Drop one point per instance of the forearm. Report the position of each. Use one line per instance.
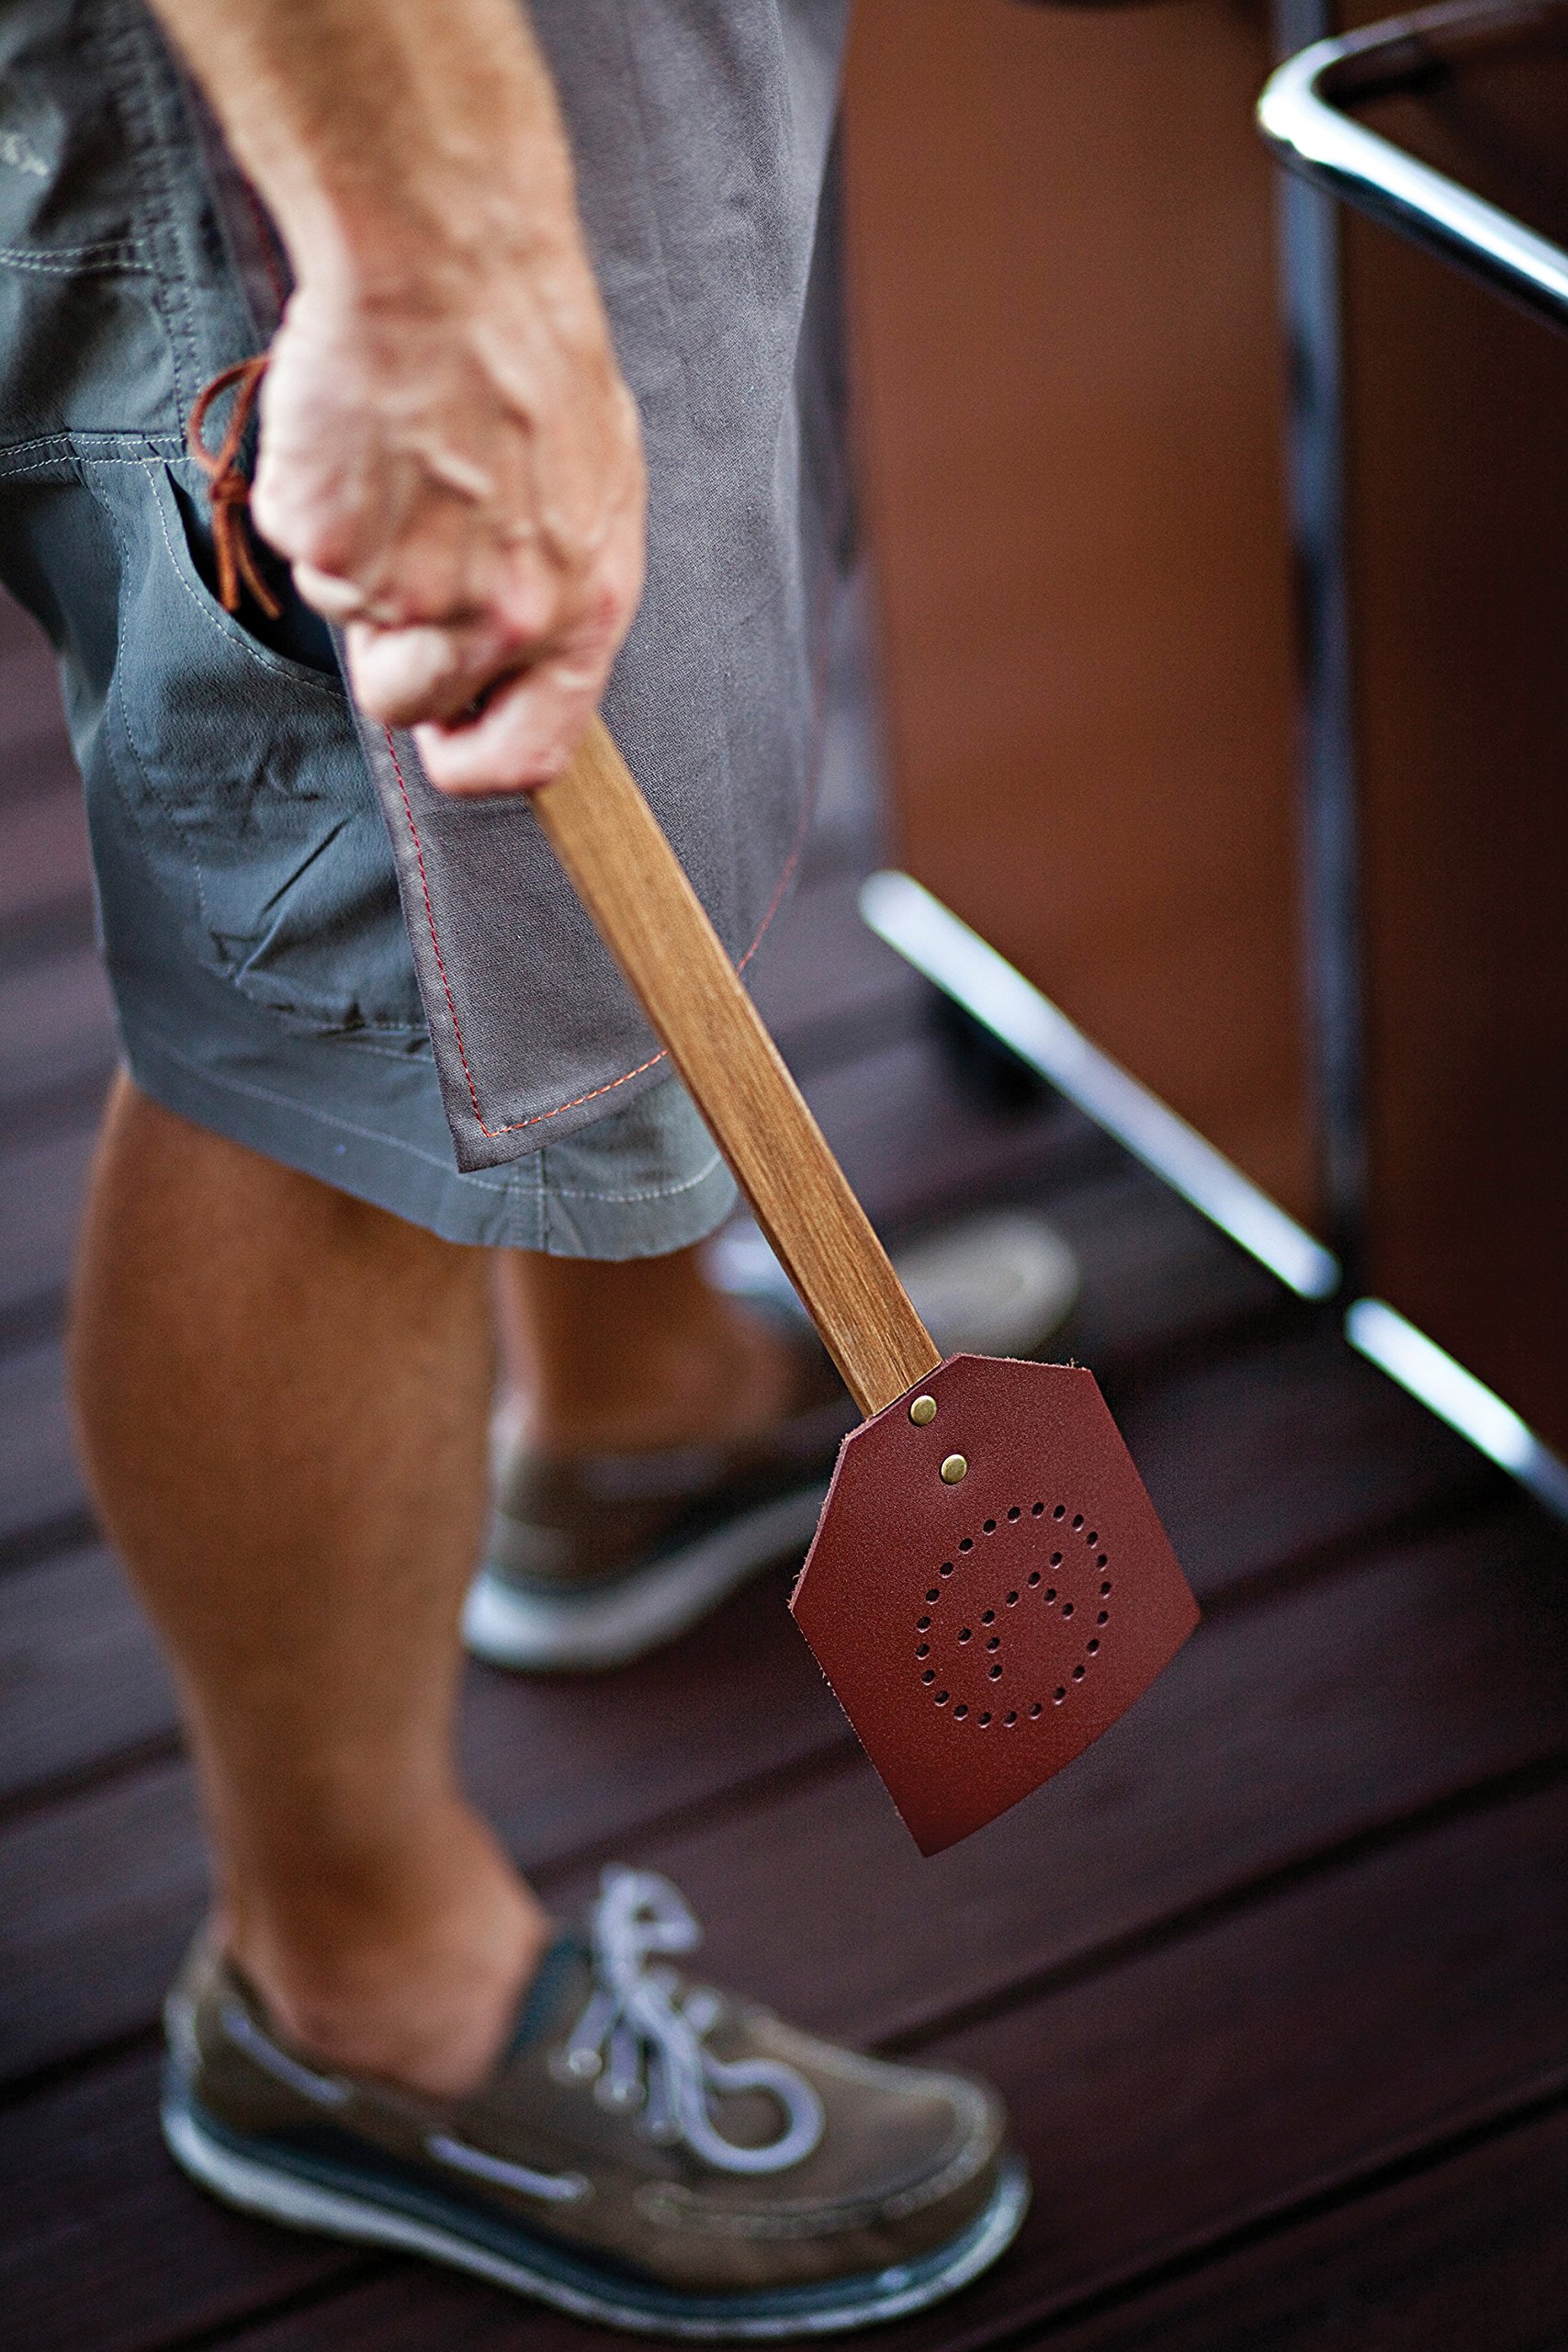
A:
(391, 139)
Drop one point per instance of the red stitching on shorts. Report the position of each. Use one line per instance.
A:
(515, 1125)
(539, 1116)
(430, 919)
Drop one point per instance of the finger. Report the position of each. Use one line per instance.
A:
(443, 574)
(402, 677)
(337, 600)
(526, 734)
(325, 516)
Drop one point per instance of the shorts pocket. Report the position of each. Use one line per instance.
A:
(244, 767)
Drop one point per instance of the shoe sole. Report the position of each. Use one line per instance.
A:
(563, 1632)
(314, 2201)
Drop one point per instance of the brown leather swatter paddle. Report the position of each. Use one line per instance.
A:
(988, 1588)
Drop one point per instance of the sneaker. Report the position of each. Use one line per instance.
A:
(649, 2152)
(595, 1559)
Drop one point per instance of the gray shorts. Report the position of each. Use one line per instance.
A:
(311, 951)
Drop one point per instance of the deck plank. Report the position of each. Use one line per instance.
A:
(56, 1027)
(821, 976)
(1277, 1734)
(1471, 2252)
(1272, 1455)
(1354, 1700)
(103, 2248)
(82, 1680)
(35, 751)
(33, 730)
(1296, 1924)
(1276, 1453)
(43, 853)
(1159, 1285)
(42, 1187)
(40, 1482)
(108, 1885)
(914, 1144)
(1170, 2103)
(1163, 2105)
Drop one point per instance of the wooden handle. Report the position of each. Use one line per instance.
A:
(631, 883)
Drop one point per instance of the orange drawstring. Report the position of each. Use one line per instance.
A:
(228, 489)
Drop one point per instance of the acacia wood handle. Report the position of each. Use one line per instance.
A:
(632, 884)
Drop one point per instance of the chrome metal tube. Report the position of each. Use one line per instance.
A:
(1301, 114)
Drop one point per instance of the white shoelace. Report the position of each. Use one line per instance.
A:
(638, 2040)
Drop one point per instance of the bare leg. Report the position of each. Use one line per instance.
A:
(634, 1354)
(283, 1397)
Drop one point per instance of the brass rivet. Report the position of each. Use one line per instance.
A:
(922, 1410)
(955, 1468)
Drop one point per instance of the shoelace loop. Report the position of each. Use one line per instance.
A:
(642, 2040)
(228, 491)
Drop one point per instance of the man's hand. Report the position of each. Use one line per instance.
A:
(460, 482)
(449, 458)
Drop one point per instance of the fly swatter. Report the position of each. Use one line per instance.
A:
(989, 1587)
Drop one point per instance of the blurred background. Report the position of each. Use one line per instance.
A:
(1074, 302)
(1206, 662)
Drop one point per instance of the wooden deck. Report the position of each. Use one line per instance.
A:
(1276, 1979)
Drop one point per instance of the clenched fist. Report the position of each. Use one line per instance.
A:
(455, 471)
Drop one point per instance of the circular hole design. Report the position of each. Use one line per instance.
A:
(1074, 1671)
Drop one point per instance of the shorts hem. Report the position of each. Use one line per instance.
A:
(530, 1203)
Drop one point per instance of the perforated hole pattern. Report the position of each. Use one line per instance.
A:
(1019, 1589)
